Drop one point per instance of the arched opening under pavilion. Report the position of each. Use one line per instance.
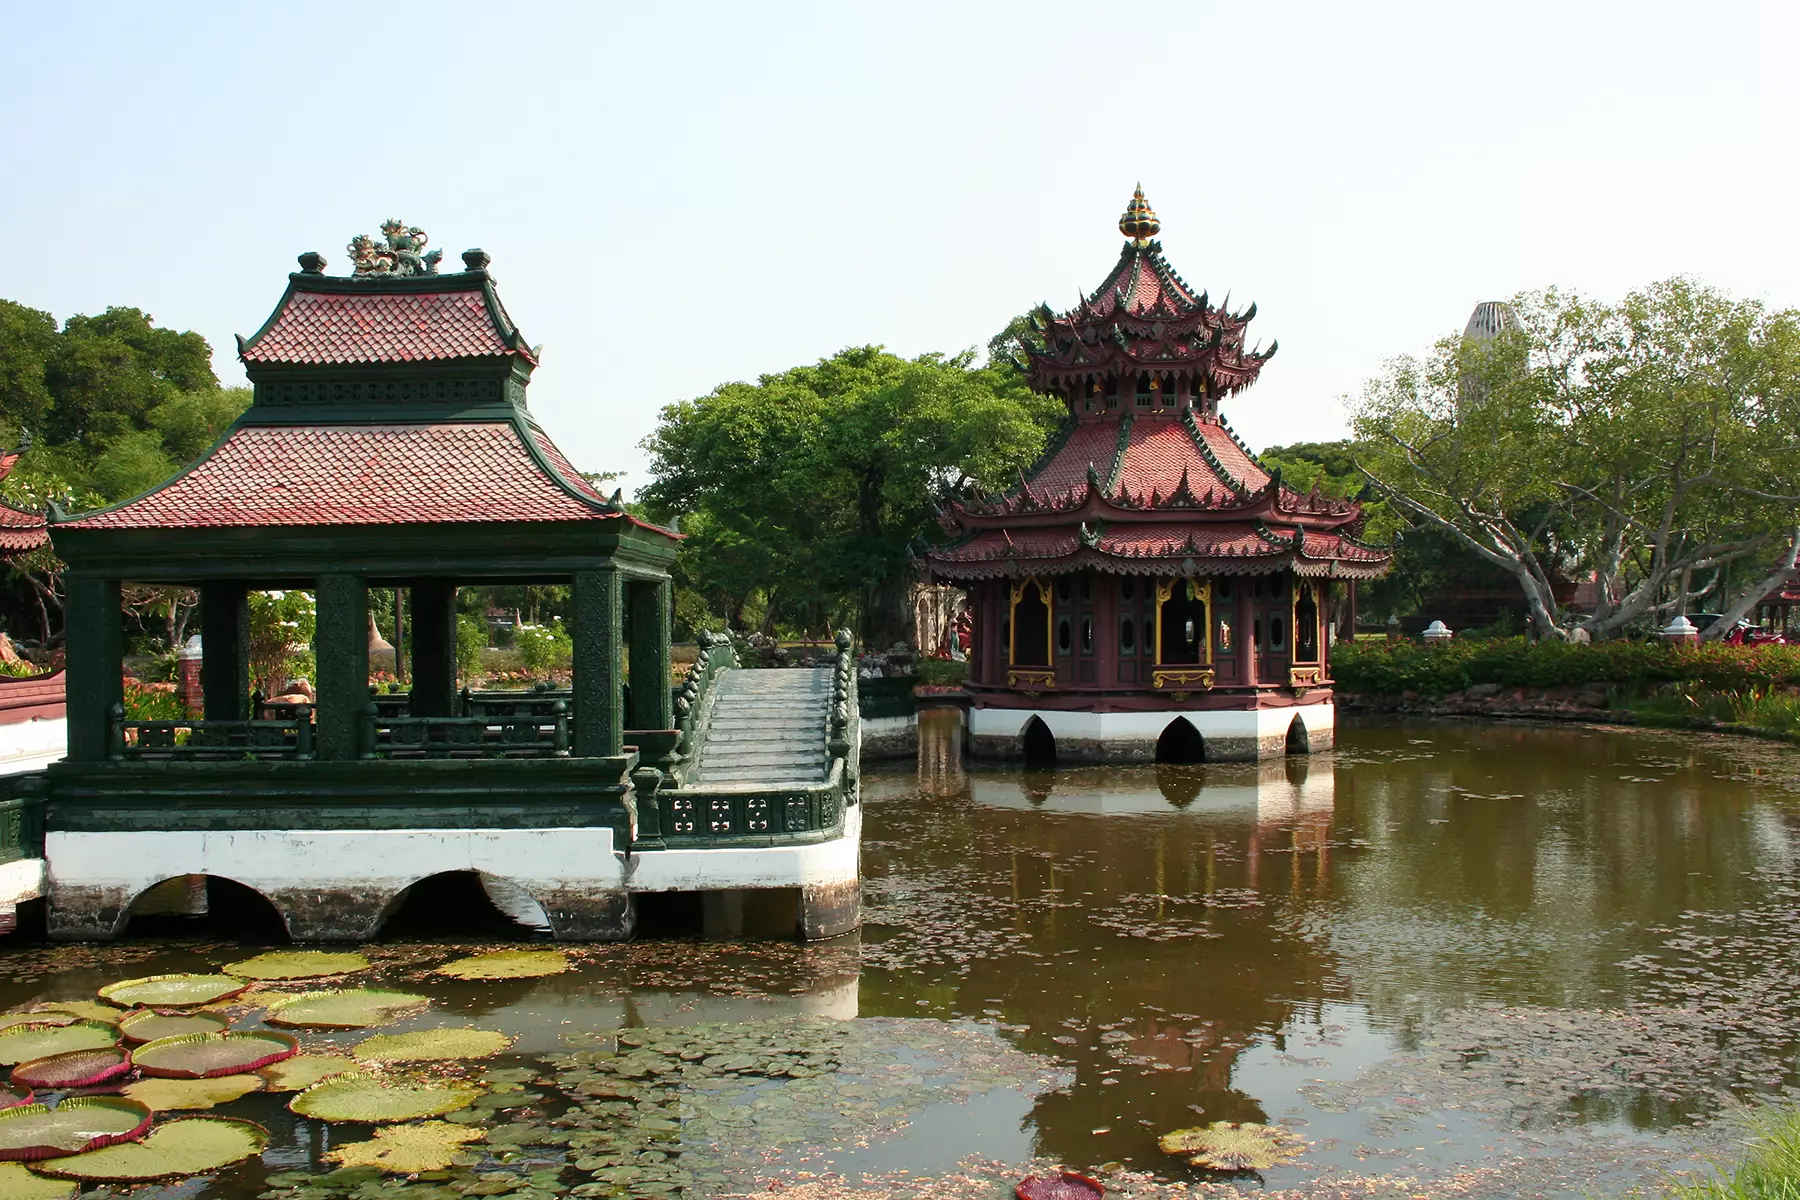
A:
(210, 906)
(1297, 740)
(1180, 743)
(1037, 744)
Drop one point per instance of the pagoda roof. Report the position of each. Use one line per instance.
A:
(21, 531)
(1171, 547)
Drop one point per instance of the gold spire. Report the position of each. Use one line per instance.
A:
(1139, 222)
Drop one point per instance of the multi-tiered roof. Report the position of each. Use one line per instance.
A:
(1162, 485)
(21, 531)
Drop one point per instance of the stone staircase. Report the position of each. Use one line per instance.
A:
(767, 729)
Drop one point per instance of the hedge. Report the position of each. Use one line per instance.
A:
(1390, 668)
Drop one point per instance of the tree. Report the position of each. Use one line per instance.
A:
(1649, 443)
(806, 490)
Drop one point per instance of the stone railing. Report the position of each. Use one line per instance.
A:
(692, 698)
(197, 740)
(21, 816)
(524, 735)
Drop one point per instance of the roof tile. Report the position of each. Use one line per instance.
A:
(378, 326)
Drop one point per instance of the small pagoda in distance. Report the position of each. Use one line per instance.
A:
(1149, 589)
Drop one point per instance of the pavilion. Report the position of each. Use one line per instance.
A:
(1149, 589)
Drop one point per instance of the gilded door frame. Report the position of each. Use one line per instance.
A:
(1196, 591)
(1012, 628)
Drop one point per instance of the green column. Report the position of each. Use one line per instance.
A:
(433, 648)
(225, 651)
(342, 642)
(650, 700)
(96, 661)
(599, 719)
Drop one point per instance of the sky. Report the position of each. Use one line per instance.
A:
(680, 195)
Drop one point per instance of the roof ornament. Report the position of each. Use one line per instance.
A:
(1139, 221)
(397, 252)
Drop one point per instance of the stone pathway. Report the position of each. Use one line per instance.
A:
(768, 728)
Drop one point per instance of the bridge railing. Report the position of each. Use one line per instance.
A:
(196, 740)
(524, 735)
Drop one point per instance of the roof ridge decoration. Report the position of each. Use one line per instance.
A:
(1118, 464)
(397, 253)
(1139, 220)
(1212, 460)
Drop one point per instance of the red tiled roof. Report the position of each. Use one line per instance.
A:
(1146, 280)
(283, 475)
(1094, 442)
(1158, 454)
(379, 326)
(20, 532)
(1231, 456)
(1227, 547)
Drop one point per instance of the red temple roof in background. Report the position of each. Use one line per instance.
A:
(373, 326)
(20, 532)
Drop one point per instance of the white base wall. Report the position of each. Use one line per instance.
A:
(21, 880)
(1137, 732)
(836, 861)
(32, 745)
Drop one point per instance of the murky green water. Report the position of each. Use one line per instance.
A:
(1455, 960)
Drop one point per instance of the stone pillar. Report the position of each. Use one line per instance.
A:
(342, 639)
(651, 704)
(225, 651)
(599, 716)
(433, 648)
(1246, 635)
(96, 660)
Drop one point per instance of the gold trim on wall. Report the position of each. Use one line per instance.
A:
(1187, 680)
(1031, 679)
(1307, 587)
(1195, 591)
(1012, 625)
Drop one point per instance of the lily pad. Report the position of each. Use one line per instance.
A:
(81, 1123)
(1229, 1146)
(147, 1025)
(36, 1040)
(172, 991)
(1064, 1185)
(10, 1096)
(407, 1149)
(209, 1055)
(298, 964)
(171, 1095)
(59, 1010)
(75, 1069)
(303, 1070)
(508, 964)
(188, 1146)
(41, 1017)
(430, 1045)
(16, 1183)
(380, 1101)
(347, 1008)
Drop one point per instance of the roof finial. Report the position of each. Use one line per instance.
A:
(1139, 222)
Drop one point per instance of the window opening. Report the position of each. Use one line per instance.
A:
(1127, 636)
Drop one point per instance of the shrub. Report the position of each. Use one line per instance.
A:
(545, 648)
(1384, 668)
(153, 702)
(281, 629)
(471, 640)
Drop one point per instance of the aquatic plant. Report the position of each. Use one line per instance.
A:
(345, 1008)
(183, 1147)
(207, 1055)
(380, 1101)
(303, 1070)
(73, 1069)
(80, 1123)
(147, 1025)
(17, 1183)
(408, 1149)
(172, 991)
(427, 1045)
(298, 964)
(36, 1017)
(9, 1096)
(170, 1095)
(508, 964)
(1064, 1185)
(1229, 1146)
(34, 1039)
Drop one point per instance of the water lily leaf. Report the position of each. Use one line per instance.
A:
(1229, 1146)
(303, 1070)
(170, 1095)
(147, 1025)
(34, 1131)
(16, 1183)
(1064, 1185)
(38, 1017)
(347, 1008)
(74, 1069)
(10, 1096)
(208, 1055)
(298, 964)
(428, 1045)
(508, 964)
(188, 1146)
(36, 1040)
(379, 1101)
(59, 1010)
(172, 991)
(407, 1149)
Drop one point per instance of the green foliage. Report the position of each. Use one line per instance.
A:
(281, 630)
(941, 672)
(153, 702)
(471, 640)
(1770, 1169)
(545, 648)
(1377, 667)
(807, 487)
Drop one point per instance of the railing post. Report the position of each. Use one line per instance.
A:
(560, 711)
(115, 732)
(303, 736)
(367, 736)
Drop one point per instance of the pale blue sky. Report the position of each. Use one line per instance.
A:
(679, 195)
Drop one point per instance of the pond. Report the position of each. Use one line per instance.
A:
(1450, 959)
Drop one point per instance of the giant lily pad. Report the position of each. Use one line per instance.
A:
(407, 1149)
(172, 991)
(170, 1095)
(428, 1045)
(81, 1123)
(9, 1096)
(38, 1017)
(188, 1146)
(148, 1025)
(16, 1183)
(1229, 1146)
(380, 1101)
(62, 1010)
(74, 1069)
(208, 1055)
(35, 1040)
(303, 1070)
(508, 964)
(1064, 1185)
(349, 1008)
(298, 964)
